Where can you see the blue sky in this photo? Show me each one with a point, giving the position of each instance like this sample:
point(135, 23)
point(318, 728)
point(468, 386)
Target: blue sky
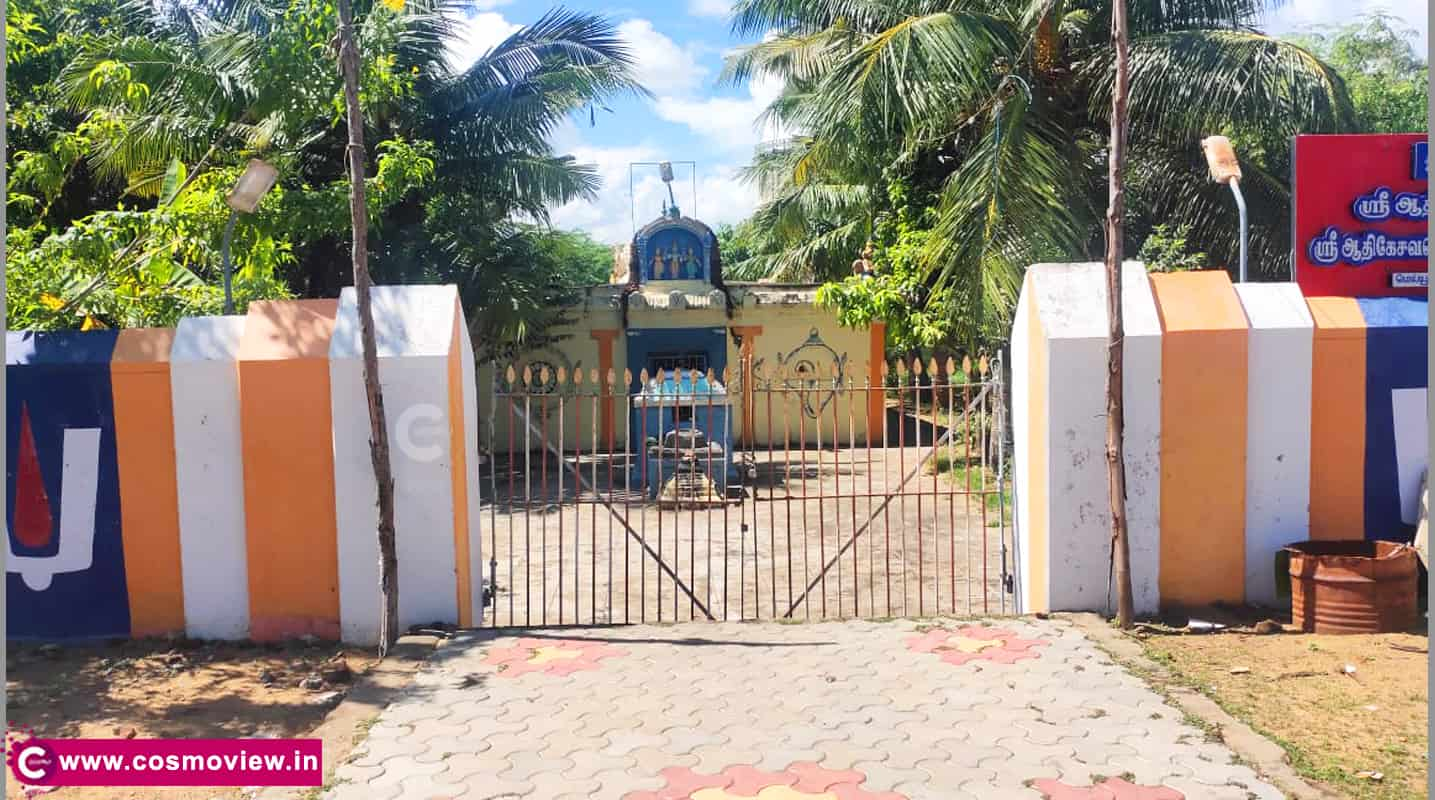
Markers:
point(680, 46)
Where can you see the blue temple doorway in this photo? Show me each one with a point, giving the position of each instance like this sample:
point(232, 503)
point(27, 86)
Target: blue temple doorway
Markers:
point(667, 349)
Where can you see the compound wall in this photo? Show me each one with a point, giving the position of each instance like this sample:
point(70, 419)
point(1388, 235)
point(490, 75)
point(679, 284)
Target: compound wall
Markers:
point(215, 480)
point(1255, 418)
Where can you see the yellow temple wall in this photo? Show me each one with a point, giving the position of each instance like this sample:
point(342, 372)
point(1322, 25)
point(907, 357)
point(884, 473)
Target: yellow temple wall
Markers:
point(783, 329)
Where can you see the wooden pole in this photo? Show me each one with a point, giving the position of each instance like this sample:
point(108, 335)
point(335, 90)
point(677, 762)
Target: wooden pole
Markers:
point(1115, 416)
point(378, 427)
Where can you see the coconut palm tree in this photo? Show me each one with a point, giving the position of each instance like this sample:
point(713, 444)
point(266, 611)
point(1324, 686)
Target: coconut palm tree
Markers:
point(244, 74)
point(1002, 105)
point(210, 83)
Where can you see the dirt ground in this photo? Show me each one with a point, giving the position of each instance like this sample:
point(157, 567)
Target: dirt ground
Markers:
point(1337, 727)
point(172, 689)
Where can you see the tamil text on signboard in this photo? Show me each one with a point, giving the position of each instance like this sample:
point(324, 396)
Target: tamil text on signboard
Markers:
point(1360, 216)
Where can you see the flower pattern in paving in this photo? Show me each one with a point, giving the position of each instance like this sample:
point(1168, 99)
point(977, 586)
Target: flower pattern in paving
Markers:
point(1108, 789)
point(975, 643)
point(802, 780)
point(550, 656)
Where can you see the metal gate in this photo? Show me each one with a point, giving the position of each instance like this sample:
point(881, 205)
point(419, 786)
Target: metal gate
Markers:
point(771, 494)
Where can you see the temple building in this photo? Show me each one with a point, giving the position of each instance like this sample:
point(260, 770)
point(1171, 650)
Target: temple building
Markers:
point(667, 307)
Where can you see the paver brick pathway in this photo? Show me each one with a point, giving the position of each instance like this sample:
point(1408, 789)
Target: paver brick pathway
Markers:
point(856, 710)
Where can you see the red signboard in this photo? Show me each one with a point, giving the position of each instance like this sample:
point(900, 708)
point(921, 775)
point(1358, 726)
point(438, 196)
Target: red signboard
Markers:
point(1359, 226)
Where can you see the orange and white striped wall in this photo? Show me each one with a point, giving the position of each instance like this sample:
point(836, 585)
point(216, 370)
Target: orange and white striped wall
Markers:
point(237, 448)
point(1058, 352)
point(209, 458)
point(1258, 418)
point(420, 354)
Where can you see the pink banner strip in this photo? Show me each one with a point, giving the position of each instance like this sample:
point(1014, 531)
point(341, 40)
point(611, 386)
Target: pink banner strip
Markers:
point(167, 762)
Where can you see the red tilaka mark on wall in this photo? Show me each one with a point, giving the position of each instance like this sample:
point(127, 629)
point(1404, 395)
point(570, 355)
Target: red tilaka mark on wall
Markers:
point(33, 524)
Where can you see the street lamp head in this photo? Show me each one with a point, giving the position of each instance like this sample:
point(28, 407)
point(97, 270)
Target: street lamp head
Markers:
point(1221, 159)
point(258, 178)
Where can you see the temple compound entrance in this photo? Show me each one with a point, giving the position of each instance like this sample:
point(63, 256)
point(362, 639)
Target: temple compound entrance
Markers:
point(688, 448)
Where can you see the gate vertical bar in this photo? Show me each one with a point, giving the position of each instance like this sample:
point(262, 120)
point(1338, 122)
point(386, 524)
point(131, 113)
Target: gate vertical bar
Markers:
point(886, 468)
point(593, 510)
point(837, 481)
point(985, 420)
point(902, 471)
point(802, 456)
point(772, 517)
point(692, 512)
point(952, 460)
point(642, 450)
point(559, 388)
point(512, 496)
point(712, 487)
point(527, 502)
point(658, 488)
point(967, 472)
point(852, 486)
point(627, 482)
point(936, 476)
point(577, 497)
point(871, 540)
point(1001, 424)
point(543, 497)
point(821, 513)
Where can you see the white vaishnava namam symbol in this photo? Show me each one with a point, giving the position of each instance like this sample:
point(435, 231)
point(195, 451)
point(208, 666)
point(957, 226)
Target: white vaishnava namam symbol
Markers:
point(79, 492)
point(1412, 443)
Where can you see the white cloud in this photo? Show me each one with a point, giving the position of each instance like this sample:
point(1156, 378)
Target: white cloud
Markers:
point(709, 8)
point(721, 196)
point(729, 122)
point(1294, 16)
point(663, 66)
point(477, 34)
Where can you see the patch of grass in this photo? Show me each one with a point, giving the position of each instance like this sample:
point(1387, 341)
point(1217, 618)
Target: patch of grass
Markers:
point(1321, 719)
point(361, 731)
point(973, 478)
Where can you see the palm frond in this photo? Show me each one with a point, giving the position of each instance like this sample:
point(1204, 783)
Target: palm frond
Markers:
point(1193, 83)
point(911, 76)
point(1009, 204)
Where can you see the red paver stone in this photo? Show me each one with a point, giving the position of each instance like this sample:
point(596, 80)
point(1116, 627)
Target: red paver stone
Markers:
point(1109, 789)
point(975, 643)
point(550, 656)
point(745, 780)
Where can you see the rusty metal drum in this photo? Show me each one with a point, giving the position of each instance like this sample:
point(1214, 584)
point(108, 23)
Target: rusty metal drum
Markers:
point(1353, 586)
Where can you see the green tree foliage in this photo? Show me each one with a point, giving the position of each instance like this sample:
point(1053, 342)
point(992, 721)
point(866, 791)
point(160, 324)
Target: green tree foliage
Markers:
point(132, 118)
point(1165, 250)
point(1388, 80)
point(916, 321)
point(1001, 109)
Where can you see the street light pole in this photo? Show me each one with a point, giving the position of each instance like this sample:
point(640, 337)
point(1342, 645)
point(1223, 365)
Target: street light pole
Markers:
point(1241, 206)
point(1221, 160)
point(228, 268)
point(257, 179)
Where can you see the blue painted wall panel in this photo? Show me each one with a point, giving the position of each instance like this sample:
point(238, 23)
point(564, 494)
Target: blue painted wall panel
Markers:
point(62, 381)
point(1396, 347)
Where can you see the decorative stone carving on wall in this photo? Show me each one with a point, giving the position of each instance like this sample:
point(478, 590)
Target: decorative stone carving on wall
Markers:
point(813, 364)
point(542, 364)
